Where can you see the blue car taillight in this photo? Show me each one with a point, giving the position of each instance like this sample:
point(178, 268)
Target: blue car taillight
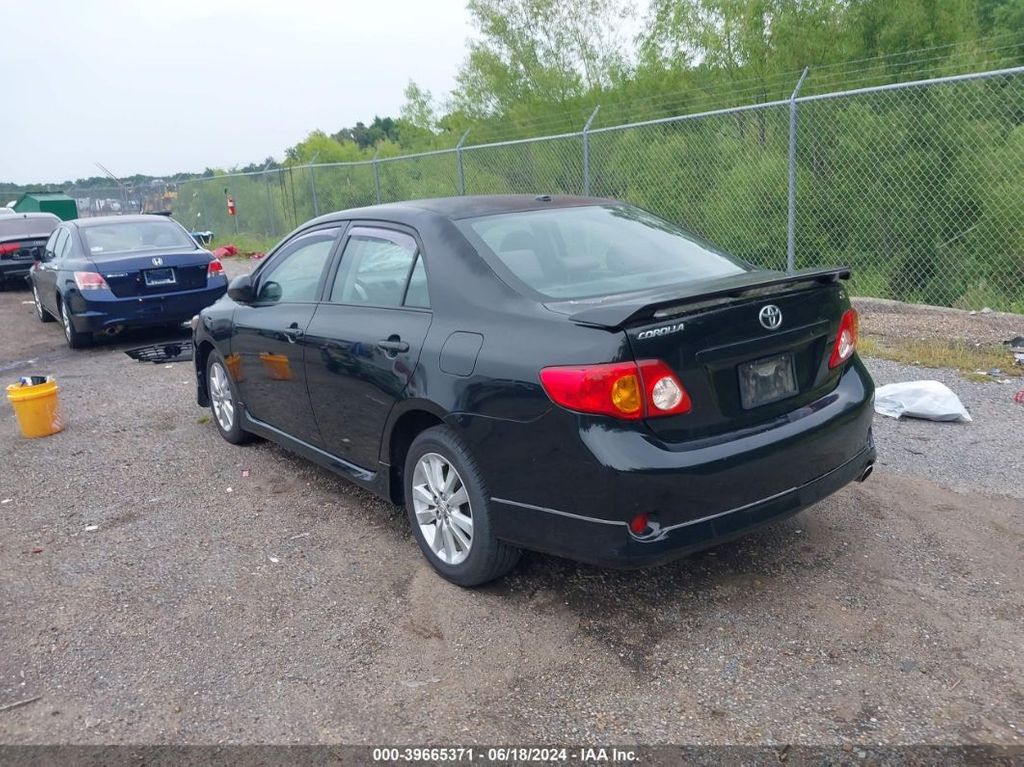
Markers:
point(90, 281)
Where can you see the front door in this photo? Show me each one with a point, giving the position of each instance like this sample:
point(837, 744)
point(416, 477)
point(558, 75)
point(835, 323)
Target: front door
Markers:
point(365, 340)
point(269, 342)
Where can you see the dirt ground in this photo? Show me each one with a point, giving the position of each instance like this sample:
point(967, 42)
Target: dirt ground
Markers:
point(158, 585)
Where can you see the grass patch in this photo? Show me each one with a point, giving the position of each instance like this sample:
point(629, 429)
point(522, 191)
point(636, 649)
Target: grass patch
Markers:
point(943, 354)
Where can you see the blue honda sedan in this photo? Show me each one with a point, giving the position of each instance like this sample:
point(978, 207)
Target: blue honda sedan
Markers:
point(101, 275)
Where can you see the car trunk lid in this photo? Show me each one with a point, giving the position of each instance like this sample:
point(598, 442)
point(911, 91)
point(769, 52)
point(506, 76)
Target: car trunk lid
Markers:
point(155, 272)
point(740, 372)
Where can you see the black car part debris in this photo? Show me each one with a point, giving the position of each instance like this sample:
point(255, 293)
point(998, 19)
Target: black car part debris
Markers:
point(175, 351)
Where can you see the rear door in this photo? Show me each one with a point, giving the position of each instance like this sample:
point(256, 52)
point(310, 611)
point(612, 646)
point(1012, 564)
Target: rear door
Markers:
point(44, 274)
point(270, 339)
point(364, 341)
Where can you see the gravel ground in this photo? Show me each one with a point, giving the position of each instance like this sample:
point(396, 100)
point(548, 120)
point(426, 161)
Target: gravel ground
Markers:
point(986, 454)
point(894, 320)
point(158, 585)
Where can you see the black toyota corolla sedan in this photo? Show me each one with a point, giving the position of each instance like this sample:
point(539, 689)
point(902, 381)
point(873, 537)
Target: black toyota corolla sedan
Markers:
point(569, 375)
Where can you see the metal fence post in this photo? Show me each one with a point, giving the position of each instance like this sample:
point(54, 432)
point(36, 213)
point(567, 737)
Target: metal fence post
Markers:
point(791, 222)
point(458, 158)
point(586, 152)
point(376, 175)
point(312, 184)
point(270, 202)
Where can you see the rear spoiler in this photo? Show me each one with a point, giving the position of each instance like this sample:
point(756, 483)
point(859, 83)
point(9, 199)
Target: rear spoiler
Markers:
point(666, 302)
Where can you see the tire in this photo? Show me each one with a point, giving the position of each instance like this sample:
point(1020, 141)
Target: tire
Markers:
point(41, 313)
point(485, 558)
point(75, 339)
point(224, 404)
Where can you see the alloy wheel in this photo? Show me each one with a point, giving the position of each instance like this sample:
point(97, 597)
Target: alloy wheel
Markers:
point(65, 321)
point(443, 512)
point(220, 397)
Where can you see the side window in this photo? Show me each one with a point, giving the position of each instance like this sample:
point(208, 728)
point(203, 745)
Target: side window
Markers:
point(51, 244)
point(374, 268)
point(63, 244)
point(296, 274)
point(416, 294)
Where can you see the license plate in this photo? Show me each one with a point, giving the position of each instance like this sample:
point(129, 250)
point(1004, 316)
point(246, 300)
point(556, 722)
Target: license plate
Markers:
point(159, 277)
point(767, 380)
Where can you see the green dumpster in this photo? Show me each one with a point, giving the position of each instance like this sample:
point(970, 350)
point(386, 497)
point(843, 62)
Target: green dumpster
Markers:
point(58, 203)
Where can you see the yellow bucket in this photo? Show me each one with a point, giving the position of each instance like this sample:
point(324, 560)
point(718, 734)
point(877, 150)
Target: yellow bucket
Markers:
point(37, 408)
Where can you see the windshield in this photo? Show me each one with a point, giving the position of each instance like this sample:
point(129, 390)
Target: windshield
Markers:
point(127, 236)
point(595, 250)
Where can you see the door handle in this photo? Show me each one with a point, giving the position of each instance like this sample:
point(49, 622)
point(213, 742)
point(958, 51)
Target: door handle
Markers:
point(293, 332)
point(393, 345)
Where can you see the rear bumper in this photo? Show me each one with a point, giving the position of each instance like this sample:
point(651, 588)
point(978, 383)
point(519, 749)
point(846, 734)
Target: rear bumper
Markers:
point(93, 314)
point(569, 485)
point(611, 544)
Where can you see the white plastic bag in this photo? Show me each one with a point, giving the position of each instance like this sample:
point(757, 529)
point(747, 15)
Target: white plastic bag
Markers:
point(920, 399)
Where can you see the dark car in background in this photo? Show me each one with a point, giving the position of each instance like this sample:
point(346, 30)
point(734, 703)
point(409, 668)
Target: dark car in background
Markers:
point(569, 375)
point(103, 275)
point(23, 238)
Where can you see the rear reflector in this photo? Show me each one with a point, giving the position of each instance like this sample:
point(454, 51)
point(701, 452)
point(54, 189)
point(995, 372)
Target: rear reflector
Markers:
point(628, 390)
point(90, 281)
point(638, 524)
point(846, 339)
point(215, 267)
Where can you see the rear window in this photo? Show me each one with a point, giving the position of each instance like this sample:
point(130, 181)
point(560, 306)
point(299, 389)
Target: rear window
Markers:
point(128, 236)
point(594, 250)
point(33, 226)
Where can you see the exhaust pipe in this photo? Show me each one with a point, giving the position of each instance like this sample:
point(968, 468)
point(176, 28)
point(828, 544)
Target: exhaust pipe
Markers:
point(866, 473)
point(113, 330)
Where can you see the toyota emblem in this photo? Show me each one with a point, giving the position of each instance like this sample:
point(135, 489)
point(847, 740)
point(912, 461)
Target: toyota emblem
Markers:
point(157, 261)
point(770, 316)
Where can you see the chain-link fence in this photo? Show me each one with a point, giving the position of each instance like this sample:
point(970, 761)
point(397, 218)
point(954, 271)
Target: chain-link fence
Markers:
point(918, 186)
point(103, 201)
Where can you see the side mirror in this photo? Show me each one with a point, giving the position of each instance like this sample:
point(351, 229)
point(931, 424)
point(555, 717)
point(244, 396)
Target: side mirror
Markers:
point(240, 289)
point(270, 291)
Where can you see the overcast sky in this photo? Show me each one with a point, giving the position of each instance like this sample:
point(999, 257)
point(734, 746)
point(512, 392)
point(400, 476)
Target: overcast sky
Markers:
point(180, 85)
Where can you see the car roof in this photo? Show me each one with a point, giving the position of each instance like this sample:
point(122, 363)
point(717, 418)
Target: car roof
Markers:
point(101, 220)
point(470, 206)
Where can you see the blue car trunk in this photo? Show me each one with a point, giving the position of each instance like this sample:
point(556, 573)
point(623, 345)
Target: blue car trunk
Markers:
point(155, 273)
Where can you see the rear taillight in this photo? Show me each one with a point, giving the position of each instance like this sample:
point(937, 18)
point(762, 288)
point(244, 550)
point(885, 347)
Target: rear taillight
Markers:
point(846, 339)
point(7, 248)
point(90, 281)
point(630, 390)
point(215, 267)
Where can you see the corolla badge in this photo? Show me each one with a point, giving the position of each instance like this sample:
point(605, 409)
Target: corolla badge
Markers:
point(662, 331)
point(770, 316)
point(157, 261)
